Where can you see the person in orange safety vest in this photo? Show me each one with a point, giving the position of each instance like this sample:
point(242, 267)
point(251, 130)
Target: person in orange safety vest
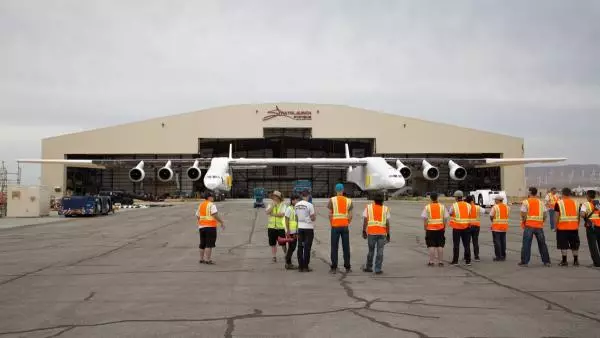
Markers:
point(459, 213)
point(590, 212)
point(376, 230)
point(499, 216)
point(434, 221)
point(340, 217)
point(533, 217)
point(567, 227)
point(475, 225)
point(208, 219)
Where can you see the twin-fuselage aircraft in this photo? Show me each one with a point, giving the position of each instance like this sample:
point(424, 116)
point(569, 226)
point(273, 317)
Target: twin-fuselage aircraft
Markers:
point(368, 173)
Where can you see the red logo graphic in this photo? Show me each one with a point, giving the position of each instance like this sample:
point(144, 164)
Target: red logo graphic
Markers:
point(291, 114)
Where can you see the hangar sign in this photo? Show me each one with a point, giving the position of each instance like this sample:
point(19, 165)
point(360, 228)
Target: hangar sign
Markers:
point(301, 115)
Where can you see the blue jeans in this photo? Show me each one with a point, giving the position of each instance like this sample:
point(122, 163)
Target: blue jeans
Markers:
point(528, 234)
point(379, 241)
point(336, 233)
point(552, 219)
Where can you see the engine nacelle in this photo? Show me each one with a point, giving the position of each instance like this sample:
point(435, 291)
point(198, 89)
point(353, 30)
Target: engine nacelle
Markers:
point(404, 170)
point(430, 172)
point(194, 172)
point(457, 172)
point(165, 173)
point(137, 173)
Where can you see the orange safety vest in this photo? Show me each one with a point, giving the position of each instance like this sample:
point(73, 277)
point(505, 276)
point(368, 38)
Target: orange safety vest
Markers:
point(435, 216)
point(340, 205)
point(553, 200)
point(206, 219)
point(460, 215)
point(474, 215)
point(535, 213)
point(593, 216)
point(376, 219)
point(500, 221)
point(568, 215)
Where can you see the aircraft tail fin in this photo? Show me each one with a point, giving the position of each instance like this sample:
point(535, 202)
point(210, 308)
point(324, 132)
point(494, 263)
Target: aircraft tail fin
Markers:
point(230, 151)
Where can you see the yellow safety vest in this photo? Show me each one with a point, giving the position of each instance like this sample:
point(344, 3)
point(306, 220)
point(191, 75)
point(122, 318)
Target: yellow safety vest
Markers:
point(276, 222)
point(293, 220)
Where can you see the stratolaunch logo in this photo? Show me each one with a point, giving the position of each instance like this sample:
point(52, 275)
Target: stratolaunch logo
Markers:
point(290, 114)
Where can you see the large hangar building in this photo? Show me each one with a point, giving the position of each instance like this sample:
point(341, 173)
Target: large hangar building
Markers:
point(277, 130)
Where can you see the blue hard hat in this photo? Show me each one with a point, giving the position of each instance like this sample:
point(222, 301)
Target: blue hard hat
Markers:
point(339, 187)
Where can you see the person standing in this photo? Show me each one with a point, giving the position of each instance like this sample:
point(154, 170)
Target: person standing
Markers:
point(460, 212)
point(567, 227)
point(340, 217)
point(434, 216)
point(376, 230)
point(550, 201)
point(208, 219)
point(590, 212)
point(475, 224)
point(532, 222)
point(276, 225)
point(499, 216)
point(291, 230)
point(305, 211)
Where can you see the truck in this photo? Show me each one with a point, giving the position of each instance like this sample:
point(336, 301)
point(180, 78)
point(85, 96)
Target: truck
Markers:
point(300, 186)
point(85, 206)
point(485, 197)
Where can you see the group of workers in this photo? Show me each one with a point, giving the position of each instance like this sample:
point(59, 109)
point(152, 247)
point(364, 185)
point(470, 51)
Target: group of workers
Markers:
point(465, 220)
point(291, 226)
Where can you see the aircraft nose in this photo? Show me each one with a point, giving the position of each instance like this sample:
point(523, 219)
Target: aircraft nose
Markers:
point(211, 183)
point(398, 182)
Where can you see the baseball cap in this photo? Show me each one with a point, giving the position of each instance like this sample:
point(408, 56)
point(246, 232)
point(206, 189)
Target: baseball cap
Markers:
point(458, 193)
point(339, 187)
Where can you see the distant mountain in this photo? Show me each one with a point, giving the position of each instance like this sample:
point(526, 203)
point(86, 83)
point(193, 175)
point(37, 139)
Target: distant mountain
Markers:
point(572, 176)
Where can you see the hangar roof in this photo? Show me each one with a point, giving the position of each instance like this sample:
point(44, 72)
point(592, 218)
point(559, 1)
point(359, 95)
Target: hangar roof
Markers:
point(179, 133)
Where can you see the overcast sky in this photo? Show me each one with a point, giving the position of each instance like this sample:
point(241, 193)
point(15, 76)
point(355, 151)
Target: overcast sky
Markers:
point(523, 68)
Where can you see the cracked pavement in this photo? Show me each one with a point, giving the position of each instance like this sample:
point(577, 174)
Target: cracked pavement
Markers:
point(136, 274)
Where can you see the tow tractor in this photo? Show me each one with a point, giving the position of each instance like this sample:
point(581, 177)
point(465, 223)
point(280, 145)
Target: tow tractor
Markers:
point(485, 197)
point(259, 196)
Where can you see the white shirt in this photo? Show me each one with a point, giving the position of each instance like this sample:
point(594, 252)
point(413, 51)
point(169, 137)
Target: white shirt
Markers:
point(546, 200)
point(304, 210)
point(288, 214)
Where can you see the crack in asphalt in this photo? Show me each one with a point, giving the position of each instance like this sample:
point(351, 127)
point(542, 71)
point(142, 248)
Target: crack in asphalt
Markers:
point(61, 332)
point(525, 292)
point(420, 302)
point(138, 237)
point(388, 325)
point(92, 294)
point(249, 241)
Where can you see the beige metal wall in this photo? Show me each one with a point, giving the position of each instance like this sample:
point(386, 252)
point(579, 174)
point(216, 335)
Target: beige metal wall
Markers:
point(179, 134)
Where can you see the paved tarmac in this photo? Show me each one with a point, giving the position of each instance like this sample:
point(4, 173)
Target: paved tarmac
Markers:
point(136, 274)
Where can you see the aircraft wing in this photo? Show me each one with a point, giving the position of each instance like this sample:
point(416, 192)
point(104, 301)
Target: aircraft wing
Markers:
point(477, 162)
point(321, 162)
point(120, 163)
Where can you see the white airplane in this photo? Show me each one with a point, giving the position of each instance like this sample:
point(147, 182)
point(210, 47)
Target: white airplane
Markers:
point(368, 173)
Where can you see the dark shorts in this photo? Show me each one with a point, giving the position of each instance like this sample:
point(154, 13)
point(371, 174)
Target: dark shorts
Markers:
point(567, 239)
point(273, 234)
point(435, 238)
point(208, 238)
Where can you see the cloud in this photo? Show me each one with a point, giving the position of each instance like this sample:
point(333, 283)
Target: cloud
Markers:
point(527, 69)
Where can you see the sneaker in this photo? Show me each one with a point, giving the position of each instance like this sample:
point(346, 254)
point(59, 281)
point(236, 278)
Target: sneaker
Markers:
point(454, 263)
point(547, 265)
point(430, 264)
point(468, 263)
point(563, 264)
point(290, 267)
point(477, 259)
point(308, 270)
point(576, 263)
point(378, 272)
point(365, 269)
point(332, 271)
point(522, 264)
point(440, 264)
point(348, 270)
point(274, 259)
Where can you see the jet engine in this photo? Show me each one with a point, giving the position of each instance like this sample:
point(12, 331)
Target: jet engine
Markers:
point(194, 172)
point(137, 173)
point(404, 170)
point(430, 172)
point(165, 173)
point(457, 172)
